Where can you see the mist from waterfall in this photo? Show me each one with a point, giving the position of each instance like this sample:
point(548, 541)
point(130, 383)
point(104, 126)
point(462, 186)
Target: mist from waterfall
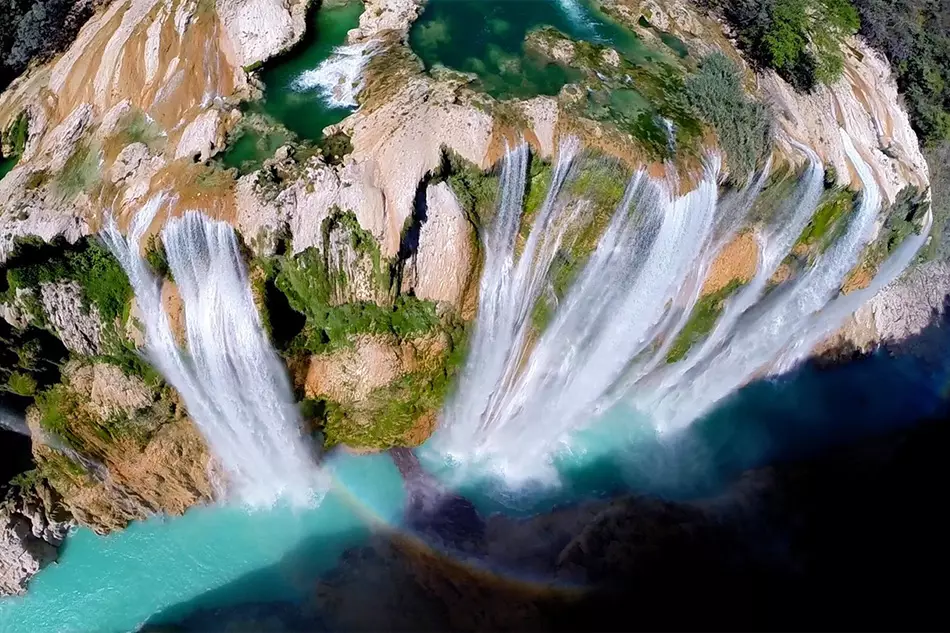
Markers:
point(523, 393)
point(232, 382)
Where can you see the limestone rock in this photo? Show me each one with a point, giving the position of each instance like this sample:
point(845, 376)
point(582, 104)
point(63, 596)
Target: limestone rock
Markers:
point(107, 390)
point(542, 114)
point(382, 16)
point(33, 525)
point(128, 161)
point(349, 375)
point(865, 103)
point(79, 329)
point(202, 138)
point(441, 268)
point(399, 142)
point(259, 29)
point(901, 316)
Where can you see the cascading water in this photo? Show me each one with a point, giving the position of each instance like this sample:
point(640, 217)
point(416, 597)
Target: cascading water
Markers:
point(339, 78)
point(232, 382)
point(522, 394)
point(609, 316)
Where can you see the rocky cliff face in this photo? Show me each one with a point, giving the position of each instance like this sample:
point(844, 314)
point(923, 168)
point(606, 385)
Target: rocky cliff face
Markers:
point(33, 524)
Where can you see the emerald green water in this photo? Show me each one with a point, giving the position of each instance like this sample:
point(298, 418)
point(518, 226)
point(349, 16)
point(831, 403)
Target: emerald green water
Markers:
point(300, 112)
point(486, 37)
point(7, 165)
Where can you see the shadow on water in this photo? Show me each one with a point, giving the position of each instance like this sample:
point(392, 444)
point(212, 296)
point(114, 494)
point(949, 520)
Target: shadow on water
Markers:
point(811, 500)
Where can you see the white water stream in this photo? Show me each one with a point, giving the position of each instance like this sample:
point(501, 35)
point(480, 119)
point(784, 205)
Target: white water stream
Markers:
point(233, 384)
point(339, 78)
point(522, 394)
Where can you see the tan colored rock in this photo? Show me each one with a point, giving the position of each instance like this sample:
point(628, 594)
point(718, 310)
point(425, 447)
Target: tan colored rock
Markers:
point(259, 29)
point(442, 266)
point(107, 390)
point(385, 17)
point(351, 374)
point(737, 261)
point(202, 138)
point(398, 143)
point(865, 103)
point(542, 115)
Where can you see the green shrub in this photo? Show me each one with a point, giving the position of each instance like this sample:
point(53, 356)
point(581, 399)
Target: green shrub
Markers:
point(744, 126)
point(310, 285)
point(800, 39)
point(81, 172)
point(88, 263)
point(915, 36)
point(157, 258)
point(21, 384)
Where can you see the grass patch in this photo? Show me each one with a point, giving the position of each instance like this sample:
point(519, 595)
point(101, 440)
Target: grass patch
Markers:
point(88, 263)
point(701, 321)
point(388, 413)
point(80, 174)
point(829, 220)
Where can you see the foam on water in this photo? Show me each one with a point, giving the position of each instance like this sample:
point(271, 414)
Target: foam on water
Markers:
point(339, 78)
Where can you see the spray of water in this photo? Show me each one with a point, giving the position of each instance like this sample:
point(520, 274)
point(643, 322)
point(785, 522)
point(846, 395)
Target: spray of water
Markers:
point(231, 380)
point(522, 394)
point(339, 78)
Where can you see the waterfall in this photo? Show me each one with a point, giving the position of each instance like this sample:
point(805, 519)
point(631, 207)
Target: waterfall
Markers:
point(610, 314)
point(523, 393)
point(232, 382)
point(13, 422)
point(339, 78)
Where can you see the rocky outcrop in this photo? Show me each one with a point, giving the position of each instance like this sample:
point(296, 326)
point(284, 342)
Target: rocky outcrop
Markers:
point(386, 18)
point(349, 375)
point(201, 138)
point(401, 140)
point(908, 315)
point(33, 524)
point(120, 450)
point(866, 104)
point(443, 264)
point(78, 326)
point(260, 29)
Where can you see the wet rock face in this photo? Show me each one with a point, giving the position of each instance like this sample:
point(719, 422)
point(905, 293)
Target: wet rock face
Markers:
point(79, 328)
point(33, 525)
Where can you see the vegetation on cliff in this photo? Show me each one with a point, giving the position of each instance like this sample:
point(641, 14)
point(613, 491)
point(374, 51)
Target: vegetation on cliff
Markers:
point(403, 412)
point(801, 40)
point(37, 30)
point(701, 321)
point(87, 262)
point(744, 126)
